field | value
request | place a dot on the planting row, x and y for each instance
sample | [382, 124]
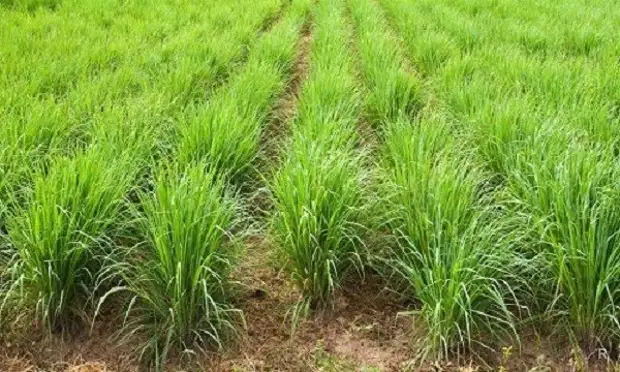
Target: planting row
[126, 218]
[85, 69]
[318, 189]
[536, 101]
[489, 196]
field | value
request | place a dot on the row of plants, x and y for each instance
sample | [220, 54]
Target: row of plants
[127, 220]
[529, 102]
[317, 223]
[488, 198]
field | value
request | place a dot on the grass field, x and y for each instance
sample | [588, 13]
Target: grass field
[301, 185]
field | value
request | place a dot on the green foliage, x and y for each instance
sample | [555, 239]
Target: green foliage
[568, 209]
[533, 95]
[393, 91]
[31, 5]
[318, 193]
[178, 278]
[227, 131]
[62, 235]
[452, 252]
[491, 193]
[319, 206]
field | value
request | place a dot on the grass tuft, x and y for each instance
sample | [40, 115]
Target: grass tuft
[317, 223]
[569, 215]
[62, 235]
[178, 279]
[451, 252]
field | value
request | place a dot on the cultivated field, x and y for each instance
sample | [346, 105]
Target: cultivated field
[309, 185]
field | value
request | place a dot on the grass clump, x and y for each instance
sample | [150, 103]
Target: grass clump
[451, 252]
[393, 91]
[534, 97]
[226, 133]
[318, 193]
[178, 277]
[569, 217]
[59, 239]
[319, 207]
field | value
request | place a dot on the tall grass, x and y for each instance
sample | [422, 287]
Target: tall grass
[329, 106]
[318, 193]
[495, 181]
[226, 132]
[68, 147]
[394, 90]
[319, 207]
[63, 234]
[29, 141]
[178, 278]
[568, 209]
[452, 250]
[143, 66]
[534, 97]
